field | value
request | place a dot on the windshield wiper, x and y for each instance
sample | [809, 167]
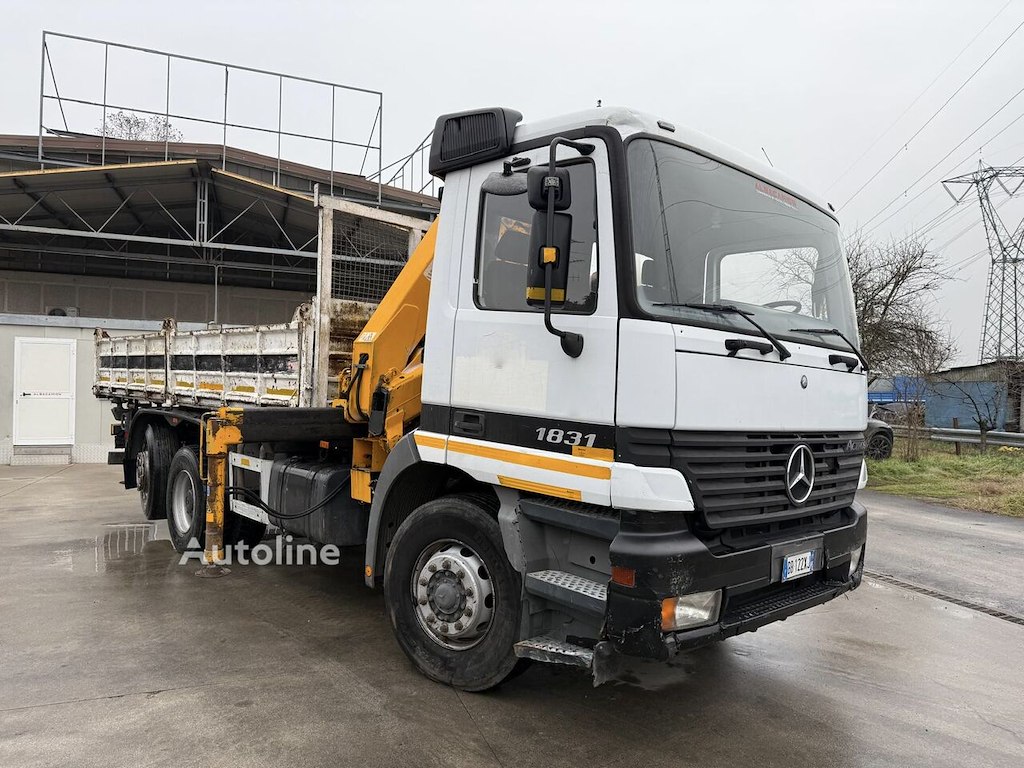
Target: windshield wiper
[841, 335]
[729, 309]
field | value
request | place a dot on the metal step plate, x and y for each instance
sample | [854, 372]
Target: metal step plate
[568, 590]
[553, 651]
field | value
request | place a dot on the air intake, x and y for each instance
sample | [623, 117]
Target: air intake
[463, 139]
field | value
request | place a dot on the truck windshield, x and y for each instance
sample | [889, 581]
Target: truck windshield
[706, 233]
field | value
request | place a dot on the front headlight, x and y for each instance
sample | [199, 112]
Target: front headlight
[688, 611]
[862, 483]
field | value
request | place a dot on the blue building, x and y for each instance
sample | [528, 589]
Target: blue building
[989, 392]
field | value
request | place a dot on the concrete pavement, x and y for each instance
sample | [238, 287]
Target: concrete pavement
[111, 654]
[974, 556]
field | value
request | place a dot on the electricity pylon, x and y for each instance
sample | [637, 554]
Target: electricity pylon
[1002, 330]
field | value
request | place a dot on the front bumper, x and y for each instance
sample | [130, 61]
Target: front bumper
[670, 561]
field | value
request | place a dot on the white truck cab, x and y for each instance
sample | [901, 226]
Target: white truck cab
[716, 409]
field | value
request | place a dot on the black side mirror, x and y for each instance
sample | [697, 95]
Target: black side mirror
[550, 238]
[544, 252]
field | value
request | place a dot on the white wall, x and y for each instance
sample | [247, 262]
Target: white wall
[120, 307]
[92, 416]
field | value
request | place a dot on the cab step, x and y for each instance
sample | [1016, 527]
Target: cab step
[568, 590]
[599, 522]
[552, 651]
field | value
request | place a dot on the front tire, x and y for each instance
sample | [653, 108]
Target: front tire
[452, 595]
[186, 501]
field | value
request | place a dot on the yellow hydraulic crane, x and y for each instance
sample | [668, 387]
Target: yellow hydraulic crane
[380, 389]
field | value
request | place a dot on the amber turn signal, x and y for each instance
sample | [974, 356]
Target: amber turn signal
[624, 576]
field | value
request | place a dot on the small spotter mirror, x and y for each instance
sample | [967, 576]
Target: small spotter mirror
[504, 185]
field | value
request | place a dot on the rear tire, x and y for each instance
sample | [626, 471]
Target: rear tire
[152, 464]
[456, 629]
[186, 501]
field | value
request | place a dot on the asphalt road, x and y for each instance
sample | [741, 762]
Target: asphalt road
[112, 654]
[973, 556]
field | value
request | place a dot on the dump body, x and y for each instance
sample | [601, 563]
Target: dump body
[259, 365]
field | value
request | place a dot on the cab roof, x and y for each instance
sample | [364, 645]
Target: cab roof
[630, 121]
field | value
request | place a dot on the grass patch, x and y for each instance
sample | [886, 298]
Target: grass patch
[991, 482]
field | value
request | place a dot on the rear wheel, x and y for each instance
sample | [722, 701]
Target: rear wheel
[152, 464]
[186, 501]
[453, 597]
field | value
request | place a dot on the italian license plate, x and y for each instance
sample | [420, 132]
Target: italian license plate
[797, 565]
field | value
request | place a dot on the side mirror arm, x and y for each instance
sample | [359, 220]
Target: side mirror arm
[572, 343]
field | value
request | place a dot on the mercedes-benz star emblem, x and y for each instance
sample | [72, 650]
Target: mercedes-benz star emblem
[800, 474]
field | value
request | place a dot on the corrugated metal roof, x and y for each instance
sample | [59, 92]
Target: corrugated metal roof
[155, 200]
[86, 150]
[154, 205]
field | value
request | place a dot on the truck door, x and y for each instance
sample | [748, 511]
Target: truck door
[511, 382]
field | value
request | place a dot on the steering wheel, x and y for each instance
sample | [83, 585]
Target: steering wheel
[796, 305]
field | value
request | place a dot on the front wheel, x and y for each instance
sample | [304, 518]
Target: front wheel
[453, 597]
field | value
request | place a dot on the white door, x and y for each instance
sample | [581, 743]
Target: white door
[511, 381]
[44, 391]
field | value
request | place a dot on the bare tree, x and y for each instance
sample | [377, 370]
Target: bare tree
[893, 287]
[128, 125]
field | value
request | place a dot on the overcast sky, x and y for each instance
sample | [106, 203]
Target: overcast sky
[818, 85]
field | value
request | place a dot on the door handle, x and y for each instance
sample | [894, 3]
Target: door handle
[849, 362]
[468, 423]
[735, 345]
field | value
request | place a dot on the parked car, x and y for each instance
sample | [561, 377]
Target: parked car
[906, 414]
[878, 439]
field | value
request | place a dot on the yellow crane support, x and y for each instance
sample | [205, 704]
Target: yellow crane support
[382, 387]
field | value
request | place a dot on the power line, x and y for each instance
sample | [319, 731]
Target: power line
[935, 114]
[971, 226]
[918, 98]
[948, 214]
[944, 158]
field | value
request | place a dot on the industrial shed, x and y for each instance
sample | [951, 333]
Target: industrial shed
[198, 232]
[990, 392]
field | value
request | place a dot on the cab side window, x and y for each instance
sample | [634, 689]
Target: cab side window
[504, 246]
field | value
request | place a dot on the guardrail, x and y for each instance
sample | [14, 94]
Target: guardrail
[972, 436]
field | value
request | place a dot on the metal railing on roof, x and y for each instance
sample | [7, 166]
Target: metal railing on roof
[339, 138]
[410, 172]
